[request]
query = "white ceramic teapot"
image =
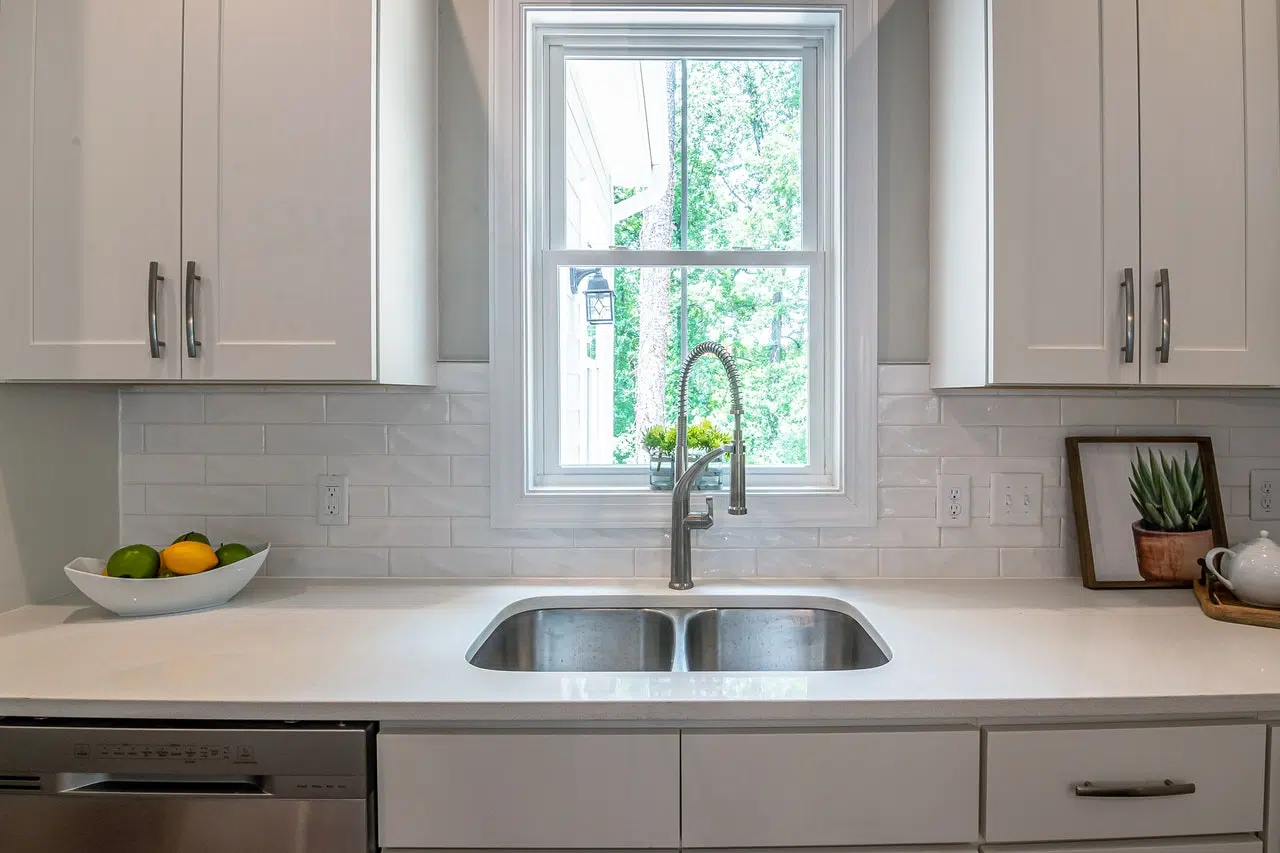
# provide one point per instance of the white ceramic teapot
(1250, 570)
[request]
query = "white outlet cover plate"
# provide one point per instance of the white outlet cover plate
(340, 517)
(963, 509)
(1264, 494)
(1017, 500)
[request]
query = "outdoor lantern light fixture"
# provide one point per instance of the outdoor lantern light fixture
(598, 293)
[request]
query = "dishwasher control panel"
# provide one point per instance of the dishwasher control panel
(186, 753)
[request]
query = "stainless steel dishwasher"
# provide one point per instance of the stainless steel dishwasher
(206, 788)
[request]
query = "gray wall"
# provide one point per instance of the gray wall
(904, 176)
(59, 458)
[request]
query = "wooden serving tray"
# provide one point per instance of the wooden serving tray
(1220, 603)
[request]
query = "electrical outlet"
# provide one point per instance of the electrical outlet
(1264, 494)
(1017, 500)
(953, 500)
(332, 500)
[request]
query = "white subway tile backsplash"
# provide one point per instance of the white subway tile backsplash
(939, 441)
(207, 500)
(264, 408)
(573, 562)
(326, 439)
(328, 562)
(1106, 411)
(159, 468)
(459, 440)
(450, 562)
(908, 470)
(908, 503)
(392, 470)
(1000, 411)
(141, 407)
(269, 470)
(202, 438)
(468, 408)
(441, 501)
(279, 531)
(292, 500)
(818, 563)
(940, 563)
(402, 408)
(469, 470)
(242, 464)
(910, 410)
(392, 532)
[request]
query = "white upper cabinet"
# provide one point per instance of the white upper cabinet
(90, 187)
(1082, 147)
(276, 157)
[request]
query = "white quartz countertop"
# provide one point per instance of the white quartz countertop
(397, 651)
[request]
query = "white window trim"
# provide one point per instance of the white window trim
(513, 171)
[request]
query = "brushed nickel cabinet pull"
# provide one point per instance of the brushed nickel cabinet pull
(193, 345)
(1130, 318)
(1166, 317)
(154, 280)
(1168, 788)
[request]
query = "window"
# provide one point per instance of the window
(675, 174)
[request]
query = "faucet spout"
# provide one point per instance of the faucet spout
(682, 520)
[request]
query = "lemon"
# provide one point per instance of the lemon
(134, 561)
(232, 552)
(192, 537)
(188, 558)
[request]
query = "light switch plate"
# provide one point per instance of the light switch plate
(1017, 500)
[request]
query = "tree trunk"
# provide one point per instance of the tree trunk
(657, 231)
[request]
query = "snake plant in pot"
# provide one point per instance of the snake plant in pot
(1175, 529)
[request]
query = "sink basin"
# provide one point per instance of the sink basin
(679, 639)
(778, 640)
(580, 640)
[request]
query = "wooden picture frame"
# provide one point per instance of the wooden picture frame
(1106, 562)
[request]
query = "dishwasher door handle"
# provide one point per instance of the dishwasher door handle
(172, 786)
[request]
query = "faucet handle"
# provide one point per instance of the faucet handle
(702, 520)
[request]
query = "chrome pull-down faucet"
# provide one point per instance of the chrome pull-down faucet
(682, 520)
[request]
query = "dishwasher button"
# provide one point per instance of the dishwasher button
(244, 753)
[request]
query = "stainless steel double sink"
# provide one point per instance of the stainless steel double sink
(678, 639)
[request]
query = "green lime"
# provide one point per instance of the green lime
(134, 561)
(232, 552)
(192, 537)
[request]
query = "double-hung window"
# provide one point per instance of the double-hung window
(664, 175)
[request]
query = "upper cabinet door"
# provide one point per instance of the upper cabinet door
(1063, 172)
(90, 187)
(278, 184)
(1210, 124)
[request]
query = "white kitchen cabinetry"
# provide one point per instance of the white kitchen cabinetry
(275, 157)
(1082, 148)
(523, 789)
(1220, 844)
(1039, 782)
(829, 789)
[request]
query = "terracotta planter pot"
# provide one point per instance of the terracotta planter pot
(1169, 556)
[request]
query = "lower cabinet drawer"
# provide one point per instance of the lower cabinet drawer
(1220, 844)
(830, 789)
(1044, 784)
(529, 789)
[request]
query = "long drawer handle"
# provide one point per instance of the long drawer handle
(154, 280)
(193, 345)
(1168, 788)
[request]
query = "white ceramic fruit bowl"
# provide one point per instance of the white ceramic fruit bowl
(153, 596)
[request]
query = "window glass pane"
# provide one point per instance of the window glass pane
(622, 152)
(618, 379)
(744, 154)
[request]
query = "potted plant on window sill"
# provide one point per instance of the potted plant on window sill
(1175, 529)
(660, 442)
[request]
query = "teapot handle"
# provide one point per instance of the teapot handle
(1209, 560)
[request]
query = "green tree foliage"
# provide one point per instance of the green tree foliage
(744, 191)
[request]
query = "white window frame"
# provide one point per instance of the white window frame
(529, 489)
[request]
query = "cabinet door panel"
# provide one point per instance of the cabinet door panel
(1064, 190)
(1220, 844)
(1210, 124)
(90, 185)
(278, 187)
